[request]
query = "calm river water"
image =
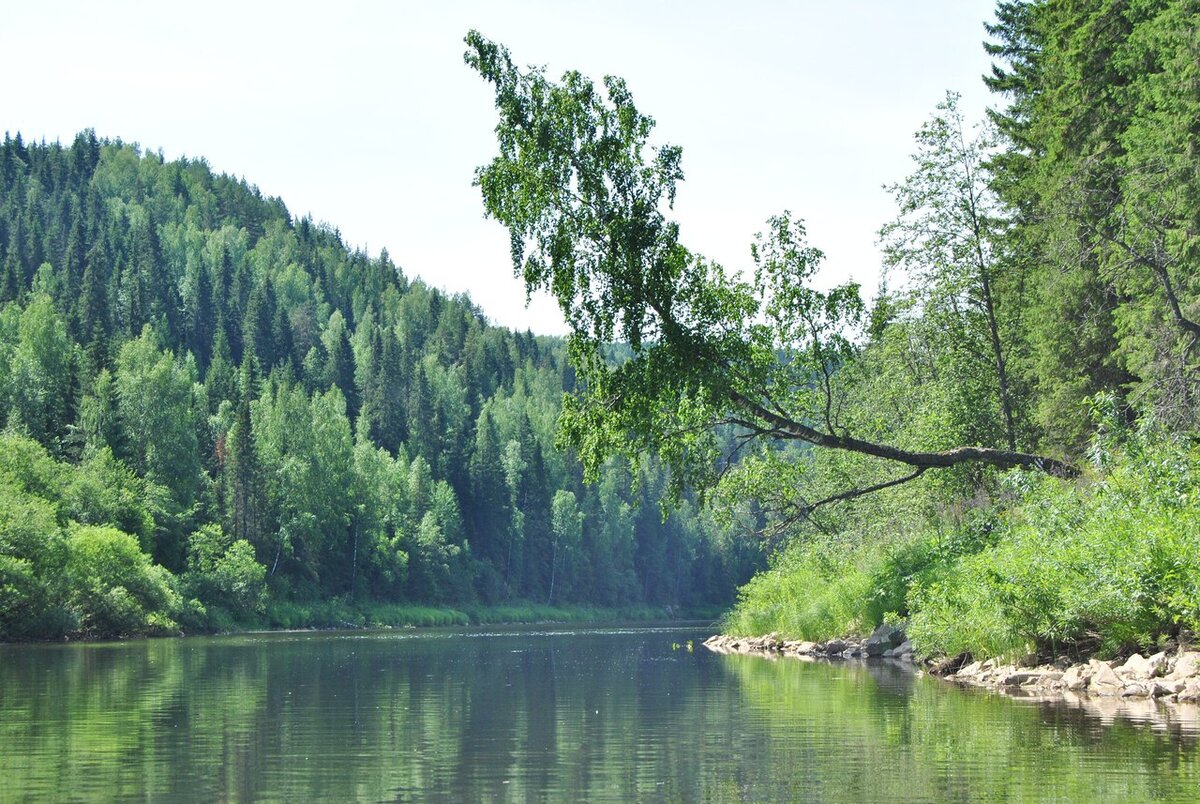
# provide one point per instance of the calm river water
(516, 714)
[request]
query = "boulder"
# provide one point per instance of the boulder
(834, 646)
(883, 638)
(1161, 688)
(1137, 667)
(1104, 680)
(1076, 677)
(1135, 690)
(971, 670)
(948, 666)
(1191, 690)
(1014, 679)
(1186, 666)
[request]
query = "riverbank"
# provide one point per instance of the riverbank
(337, 614)
(331, 615)
(1162, 677)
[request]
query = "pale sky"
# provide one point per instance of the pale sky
(363, 114)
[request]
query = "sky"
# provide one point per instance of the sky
(363, 115)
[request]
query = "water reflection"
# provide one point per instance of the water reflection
(607, 714)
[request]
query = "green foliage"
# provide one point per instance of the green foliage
(40, 373)
(32, 551)
(114, 588)
(184, 359)
(223, 572)
(1105, 566)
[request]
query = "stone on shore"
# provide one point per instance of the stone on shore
(1077, 677)
(885, 637)
(1104, 681)
(1135, 683)
(1186, 665)
(1137, 667)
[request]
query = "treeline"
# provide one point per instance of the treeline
(1042, 296)
(210, 408)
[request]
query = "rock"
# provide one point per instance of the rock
(971, 670)
(1076, 677)
(1191, 690)
(1026, 678)
(1017, 678)
(1161, 688)
(1104, 680)
(883, 638)
(905, 647)
(1137, 667)
(889, 653)
(834, 646)
(1135, 690)
(1186, 666)
(948, 666)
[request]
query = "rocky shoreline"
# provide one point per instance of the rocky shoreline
(1162, 677)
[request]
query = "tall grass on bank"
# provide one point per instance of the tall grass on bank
(1102, 565)
(369, 614)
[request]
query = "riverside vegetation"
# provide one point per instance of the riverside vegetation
(1000, 449)
(1089, 176)
(216, 416)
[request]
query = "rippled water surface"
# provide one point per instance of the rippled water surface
(598, 714)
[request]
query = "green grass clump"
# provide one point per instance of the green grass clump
(339, 613)
(1049, 567)
(1100, 566)
(818, 591)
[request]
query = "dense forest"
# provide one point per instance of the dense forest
(1000, 448)
(216, 415)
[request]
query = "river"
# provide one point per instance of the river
(555, 714)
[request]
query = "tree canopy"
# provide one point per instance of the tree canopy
(585, 195)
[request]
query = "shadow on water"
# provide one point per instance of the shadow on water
(514, 714)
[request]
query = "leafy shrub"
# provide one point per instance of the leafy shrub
(113, 586)
(31, 553)
(224, 572)
(1077, 568)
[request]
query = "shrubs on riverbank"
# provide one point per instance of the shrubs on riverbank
(75, 561)
(1045, 567)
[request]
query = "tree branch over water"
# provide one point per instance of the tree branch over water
(584, 195)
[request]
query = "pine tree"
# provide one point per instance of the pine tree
(201, 317)
(243, 471)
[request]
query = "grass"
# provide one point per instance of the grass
(1100, 566)
(375, 614)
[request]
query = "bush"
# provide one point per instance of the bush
(113, 587)
(1048, 567)
(31, 556)
(1104, 566)
(224, 572)
(812, 591)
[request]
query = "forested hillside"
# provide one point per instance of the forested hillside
(213, 413)
(999, 447)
